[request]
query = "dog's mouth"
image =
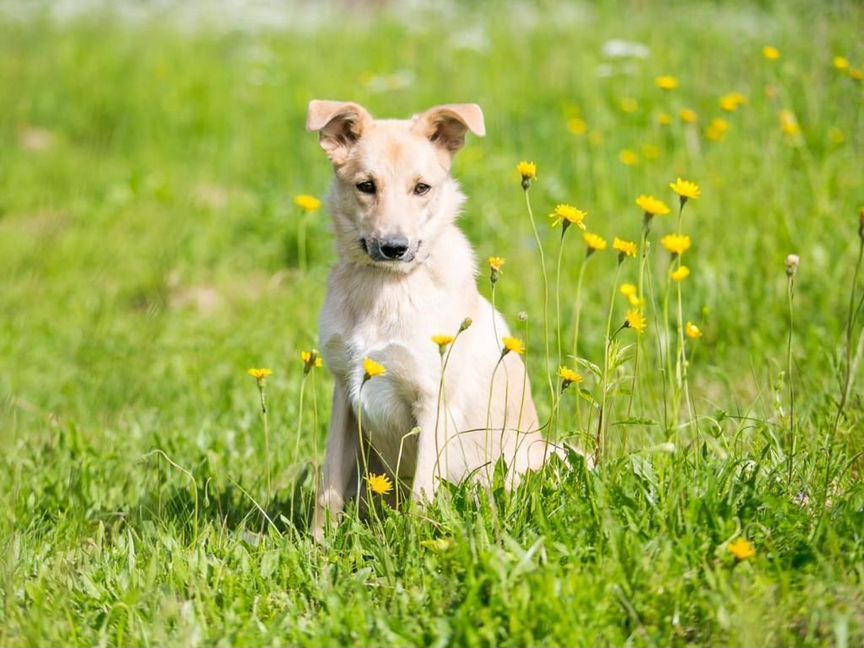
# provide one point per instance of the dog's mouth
(389, 251)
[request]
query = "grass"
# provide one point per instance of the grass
(148, 258)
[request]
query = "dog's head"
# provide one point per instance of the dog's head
(392, 193)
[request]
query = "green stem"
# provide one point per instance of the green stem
(576, 317)
(266, 437)
(850, 326)
(640, 295)
(603, 422)
(790, 288)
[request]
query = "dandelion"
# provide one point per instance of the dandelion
(652, 206)
(676, 244)
(693, 332)
(685, 189)
(568, 377)
(528, 172)
(372, 369)
(624, 248)
(666, 82)
(688, 116)
(260, 374)
(717, 130)
(629, 105)
(664, 119)
(636, 320)
(568, 215)
(495, 265)
(595, 243)
(628, 157)
(631, 293)
(307, 203)
(841, 63)
(443, 341)
(311, 360)
(577, 126)
(742, 549)
(771, 53)
(789, 124)
(732, 101)
(512, 344)
(680, 273)
(379, 484)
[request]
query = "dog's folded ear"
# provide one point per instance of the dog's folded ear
(340, 124)
(446, 126)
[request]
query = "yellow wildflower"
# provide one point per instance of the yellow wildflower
(568, 377)
(676, 244)
(742, 549)
(717, 130)
(631, 293)
(311, 359)
(495, 263)
(789, 123)
(664, 119)
(624, 248)
(680, 274)
(595, 243)
(666, 82)
(685, 189)
(732, 101)
(568, 215)
(372, 369)
(307, 203)
(629, 105)
(692, 331)
(528, 172)
(513, 344)
(841, 63)
(652, 206)
(443, 341)
(577, 126)
(260, 374)
(856, 74)
(628, 157)
(771, 53)
(688, 116)
(636, 320)
(379, 484)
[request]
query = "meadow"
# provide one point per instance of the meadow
(151, 252)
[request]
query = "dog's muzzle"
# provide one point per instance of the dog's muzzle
(392, 248)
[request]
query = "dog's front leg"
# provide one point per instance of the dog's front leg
(431, 467)
(341, 460)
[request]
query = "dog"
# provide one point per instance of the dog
(406, 273)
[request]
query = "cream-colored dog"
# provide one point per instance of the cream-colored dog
(406, 273)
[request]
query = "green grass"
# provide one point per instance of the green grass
(148, 257)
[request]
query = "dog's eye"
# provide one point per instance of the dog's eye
(367, 187)
(421, 188)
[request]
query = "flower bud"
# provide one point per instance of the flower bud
(792, 262)
(465, 324)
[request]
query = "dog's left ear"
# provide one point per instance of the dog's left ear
(446, 126)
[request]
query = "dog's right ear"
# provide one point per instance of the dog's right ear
(340, 123)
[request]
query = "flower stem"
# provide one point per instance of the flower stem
(262, 396)
(640, 295)
(602, 423)
(850, 327)
(790, 447)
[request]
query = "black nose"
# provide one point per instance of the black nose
(394, 247)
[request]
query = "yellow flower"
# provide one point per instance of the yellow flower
(856, 74)
(568, 215)
(307, 203)
(577, 126)
(513, 344)
(789, 124)
(379, 484)
(629, 105)
(311, 359)
(664, 119)
(666, 82)
(636, 320)
(717, 130)
(732, 101)
(628, 157)
(528, 172)
(495, 263)
(595, 243)
(631, 293)
(443, 341)
(680, 274)
(624, 248)
(771, 53)
(841, 63)
(685, 189)
(742, 549)
(568, 377)
(692, 331)
(259, 374)
(688, 116)
(652, 206)
(676, 244)
(372, 369)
